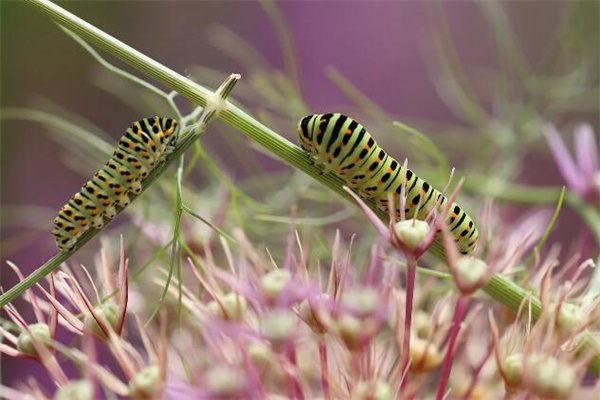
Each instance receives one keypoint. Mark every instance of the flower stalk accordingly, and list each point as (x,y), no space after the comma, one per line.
(498,287)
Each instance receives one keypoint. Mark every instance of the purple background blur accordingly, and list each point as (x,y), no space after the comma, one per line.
(381,47)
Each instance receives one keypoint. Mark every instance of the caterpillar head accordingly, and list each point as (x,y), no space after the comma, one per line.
(304,134)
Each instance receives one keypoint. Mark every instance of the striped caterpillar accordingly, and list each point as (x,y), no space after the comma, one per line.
(346,148)
(140,150)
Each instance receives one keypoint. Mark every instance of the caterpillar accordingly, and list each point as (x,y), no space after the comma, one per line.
(144,146)
(346,148)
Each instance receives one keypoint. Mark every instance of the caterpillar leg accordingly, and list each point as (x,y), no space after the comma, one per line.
(110,212)
(136,187)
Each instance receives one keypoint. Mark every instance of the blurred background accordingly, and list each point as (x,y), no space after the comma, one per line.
(480,79)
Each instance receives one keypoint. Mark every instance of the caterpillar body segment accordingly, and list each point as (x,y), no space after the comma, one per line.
(140,150)
(345,147)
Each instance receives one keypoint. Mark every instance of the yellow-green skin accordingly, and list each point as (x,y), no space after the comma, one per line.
(143,146)
(346,148)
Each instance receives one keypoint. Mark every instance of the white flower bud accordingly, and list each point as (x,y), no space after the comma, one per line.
(513,370)
(224,381)
(273,283)
(232,306)
(260,354)
(363,301)
(424,355)
(145,384)
(350,330)
(278,326)
(39,331)
(75,390)
(374,390)
(311,311)
(571,318)
(106,313)
(550,378)
(422,323)
(471,272)
(412,232)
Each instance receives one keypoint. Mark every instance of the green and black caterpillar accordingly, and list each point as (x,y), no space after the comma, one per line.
(346,148)
(140,150)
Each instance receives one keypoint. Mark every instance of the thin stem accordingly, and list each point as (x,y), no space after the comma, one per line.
(294,383)
(459,312)
(185,142)
(477,371)
(500,288)
(324,368)
(411,271)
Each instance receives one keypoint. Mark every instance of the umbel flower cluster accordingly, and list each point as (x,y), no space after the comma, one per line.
(212,293)
(239,324)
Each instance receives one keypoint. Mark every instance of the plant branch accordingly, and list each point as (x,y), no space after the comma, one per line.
(500,288)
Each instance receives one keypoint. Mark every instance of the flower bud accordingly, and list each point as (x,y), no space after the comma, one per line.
(424,355)
(374,390)
(39,331)
(350,330)
(549,378)
(311,310)
(571,318)
(471,273)
(513,370)
(361,301)
(75,390)
(260,354)
(225,382)
(106,313)
(412,233)
(278,327)
(232,307)
(145,384)
(273,283)
(422,323)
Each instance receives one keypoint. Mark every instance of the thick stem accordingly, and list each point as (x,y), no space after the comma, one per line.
(500,288)
(411,270)
(459,312)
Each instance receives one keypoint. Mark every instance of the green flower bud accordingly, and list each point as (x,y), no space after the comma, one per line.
(107,313)
(75,390)
(232,307)
(412,232)
(39,331)
(571,318)
(145,384)
(224,381)
(471,272)
(310,312)
(363,301)
(350,330)
(278,326)
(273,283)
(374,390)
(422,323)
(550,378)
(513,370)
(260,354)
(425,356)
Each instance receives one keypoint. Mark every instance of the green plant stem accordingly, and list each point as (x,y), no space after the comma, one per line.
(500,288)
(187,139)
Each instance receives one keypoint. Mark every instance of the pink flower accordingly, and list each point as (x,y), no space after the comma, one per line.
(581,174)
